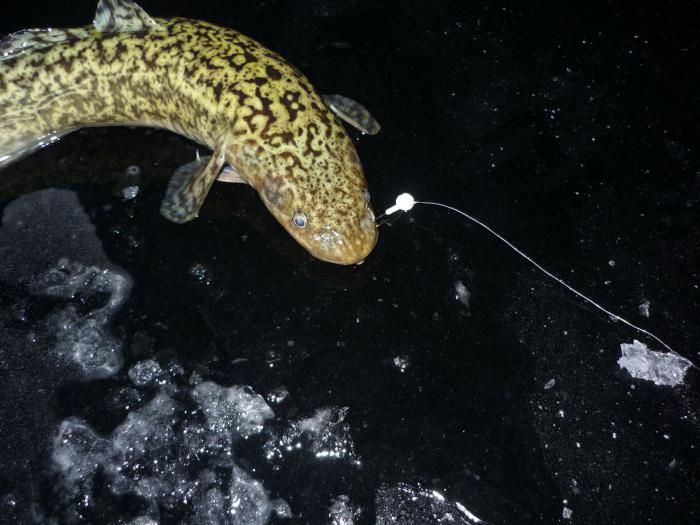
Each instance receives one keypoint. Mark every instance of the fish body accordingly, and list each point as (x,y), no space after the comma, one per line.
(261,116)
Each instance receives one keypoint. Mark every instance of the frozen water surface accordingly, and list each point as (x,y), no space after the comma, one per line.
(663,368)
(505,133)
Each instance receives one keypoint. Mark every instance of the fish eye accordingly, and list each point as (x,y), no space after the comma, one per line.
(299,219)
(365,195)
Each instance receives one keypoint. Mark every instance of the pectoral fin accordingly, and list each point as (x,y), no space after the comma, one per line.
(353,113)
(189,185)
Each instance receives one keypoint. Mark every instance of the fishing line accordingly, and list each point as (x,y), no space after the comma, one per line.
(405,202)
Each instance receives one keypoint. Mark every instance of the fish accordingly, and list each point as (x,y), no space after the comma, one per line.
(263,120)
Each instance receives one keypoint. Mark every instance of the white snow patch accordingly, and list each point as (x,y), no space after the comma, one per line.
(664,369)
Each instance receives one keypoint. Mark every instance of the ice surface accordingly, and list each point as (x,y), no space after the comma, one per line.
(325,435)
(342,512)
(664,369)
(42,227)
(404,504)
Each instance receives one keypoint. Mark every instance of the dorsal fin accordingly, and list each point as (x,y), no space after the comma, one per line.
(122,16)
(30,39)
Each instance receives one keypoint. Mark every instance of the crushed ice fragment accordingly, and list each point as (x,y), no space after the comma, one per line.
(277,396)
(342,512)
(249,504)
(201,273)
(566,513)
(664,369)
(404,503)
(325,435)
(77,454)
(462,294)
(146,373)
(401,362)
(236,409)
(143,520)
(129,192)
(644,308)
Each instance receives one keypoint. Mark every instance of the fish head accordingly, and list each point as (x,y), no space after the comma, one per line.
(322,200)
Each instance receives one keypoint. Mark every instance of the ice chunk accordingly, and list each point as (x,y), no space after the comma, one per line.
(342,512)
(278,395)
(129,192)
(325,435)
(201,273)
(462,294)
(236,409)
(159,456)
(664,369)
(402,362)
(77,454)
(644,308)
(147,373)
(82,337)
(405,504)
(249,504)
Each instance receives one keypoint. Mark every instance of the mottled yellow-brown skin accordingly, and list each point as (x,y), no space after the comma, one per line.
(217,87)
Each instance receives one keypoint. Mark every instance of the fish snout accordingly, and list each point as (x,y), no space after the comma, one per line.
(351,247)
